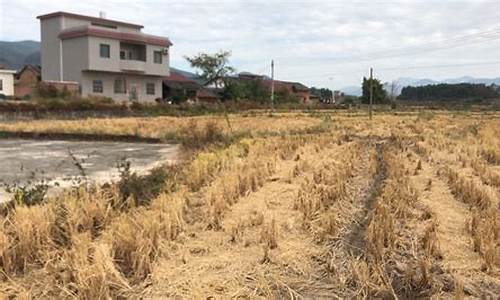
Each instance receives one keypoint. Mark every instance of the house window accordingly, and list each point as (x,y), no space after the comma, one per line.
(120,86)
(104,50)
(150,88)
(122,54)
(158,57)
(97,86)
(1,85)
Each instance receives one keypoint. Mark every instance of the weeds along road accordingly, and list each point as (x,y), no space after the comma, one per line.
(58,160)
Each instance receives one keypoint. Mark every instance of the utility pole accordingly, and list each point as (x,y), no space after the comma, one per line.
(371,91)
(272,83)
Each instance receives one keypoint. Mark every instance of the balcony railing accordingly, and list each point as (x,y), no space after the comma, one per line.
(132,65)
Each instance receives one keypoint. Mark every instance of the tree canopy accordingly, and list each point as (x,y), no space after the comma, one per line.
(252,90)
(322,93)
(379,93)
(213,67)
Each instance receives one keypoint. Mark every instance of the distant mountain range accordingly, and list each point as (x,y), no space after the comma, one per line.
(15,55)
(408,81)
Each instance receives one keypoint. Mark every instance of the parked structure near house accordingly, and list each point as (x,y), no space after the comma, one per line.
(208,95)
(178,87)
(27,81)
(295,89)
(7,82)
(105,57)
(338,97)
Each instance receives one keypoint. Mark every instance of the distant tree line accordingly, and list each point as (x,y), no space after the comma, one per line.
(444,92)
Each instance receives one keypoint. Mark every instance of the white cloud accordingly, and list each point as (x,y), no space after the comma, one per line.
(312,41)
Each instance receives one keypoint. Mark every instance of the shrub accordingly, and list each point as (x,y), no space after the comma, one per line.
(136,190)
(47,91)
(194,137)
(30,193)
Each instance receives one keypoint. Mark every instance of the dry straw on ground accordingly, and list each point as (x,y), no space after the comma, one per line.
(275,206)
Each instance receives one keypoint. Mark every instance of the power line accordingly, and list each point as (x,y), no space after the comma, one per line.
(465,40)
(441,66)
(360,70)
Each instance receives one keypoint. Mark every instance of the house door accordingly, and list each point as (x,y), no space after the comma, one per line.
(133,92)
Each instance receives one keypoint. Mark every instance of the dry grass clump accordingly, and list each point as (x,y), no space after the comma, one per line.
(246,175)
(487,175)
(430,240)
(491,155)
(82,247)
(467,190)
(369,280)
(87,271)
(392,266)
(195,137)
(269,235)
(395,202)
(484,228)
(327,186)
(208,164)
(135,238)
(90,210)
(26,239)
(35,231)
(490,143)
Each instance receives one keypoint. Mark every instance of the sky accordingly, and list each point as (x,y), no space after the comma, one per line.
(320,43)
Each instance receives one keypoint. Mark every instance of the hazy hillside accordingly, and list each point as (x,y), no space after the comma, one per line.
(352,90)
(15,55)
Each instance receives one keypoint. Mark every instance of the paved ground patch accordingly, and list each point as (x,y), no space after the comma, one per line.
(57,160)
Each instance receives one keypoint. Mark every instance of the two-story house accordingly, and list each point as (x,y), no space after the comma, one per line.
(105,57)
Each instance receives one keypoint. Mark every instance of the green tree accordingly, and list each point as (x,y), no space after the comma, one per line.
(322,93)
(379,94)
(251,90)
(214,67)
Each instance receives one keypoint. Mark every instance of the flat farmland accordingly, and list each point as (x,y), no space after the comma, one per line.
(281,205)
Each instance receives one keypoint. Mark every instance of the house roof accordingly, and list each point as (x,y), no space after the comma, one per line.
(177,77)
(177,80)
(7,71)
(122,36)
(36,69)
(296,85)
(88,18)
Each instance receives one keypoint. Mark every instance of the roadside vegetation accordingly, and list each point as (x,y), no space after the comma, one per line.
(272,205)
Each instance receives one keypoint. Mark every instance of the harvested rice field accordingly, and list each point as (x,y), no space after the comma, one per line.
(299,205)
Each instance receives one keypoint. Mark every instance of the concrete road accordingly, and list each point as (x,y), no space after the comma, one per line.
(52,159)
